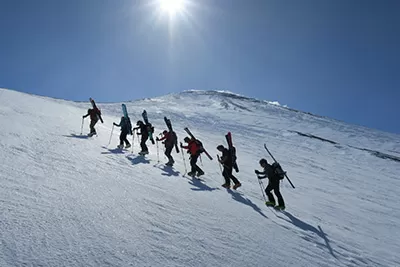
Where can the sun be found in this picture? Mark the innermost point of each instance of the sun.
(172, 7)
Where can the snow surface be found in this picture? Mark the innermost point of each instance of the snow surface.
(69, 200)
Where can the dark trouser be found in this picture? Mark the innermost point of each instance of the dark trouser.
(193, 161)
(91, 126)
(168, 150)
(143, 143)
(122, 138)
(227, 173)
(274, 185)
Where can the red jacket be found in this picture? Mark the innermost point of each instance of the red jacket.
(192, 147)
(95, 114)
(169, 139)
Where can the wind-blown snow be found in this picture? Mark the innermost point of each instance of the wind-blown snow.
(68, 200)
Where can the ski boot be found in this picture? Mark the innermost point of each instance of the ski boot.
(237, 185)
(120, 146)
(280, 207)
(270, 203)
(142, 153)
(200, 173)
(192, 174)
(170, 163)
(128, 145)
(227, 186)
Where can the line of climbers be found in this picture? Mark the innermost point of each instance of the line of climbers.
(194, 148)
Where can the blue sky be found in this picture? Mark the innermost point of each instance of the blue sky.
(337, 58)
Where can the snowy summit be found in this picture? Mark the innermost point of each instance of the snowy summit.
(72, 200)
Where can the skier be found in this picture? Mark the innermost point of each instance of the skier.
(227, 161)
(125, 125)
(94, 118)
(145, 135)
(170, 142)
(194, 148)
(274, 175)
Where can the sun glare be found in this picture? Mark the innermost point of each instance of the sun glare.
(172, 6)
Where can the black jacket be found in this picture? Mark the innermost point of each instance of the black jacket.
(226, 158)
(269, 172)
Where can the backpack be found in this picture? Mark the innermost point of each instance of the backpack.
(199, 145)
(233, 154)
(278, 170)
(174, 138)
(129, 125)
(150, 129)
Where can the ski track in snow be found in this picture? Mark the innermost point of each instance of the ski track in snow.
(69, 200)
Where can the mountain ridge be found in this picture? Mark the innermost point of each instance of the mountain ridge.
(66, 199)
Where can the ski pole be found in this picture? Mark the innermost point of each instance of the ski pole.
(82, 126)
(265, 146)
(158, 156)
(220, 167)
(219, 164)
(112, 129)
(133, 139)
(262, 188)
(184, 161)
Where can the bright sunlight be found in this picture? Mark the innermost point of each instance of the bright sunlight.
(172, 7)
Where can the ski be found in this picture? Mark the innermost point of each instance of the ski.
(168, 123)
(169, 126)
(150, 128)
(266, 148)
(232, 150)
(192, 136)
(145, 118)
(125, 112)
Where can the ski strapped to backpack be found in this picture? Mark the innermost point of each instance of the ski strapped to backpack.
(232, 151)
(98, 111)
(198, 142)
(150, 128)
(278, 166)
(125, 112)
(169, 126)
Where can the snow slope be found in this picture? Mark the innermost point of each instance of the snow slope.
(68, 200)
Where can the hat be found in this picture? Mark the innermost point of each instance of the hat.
(220, 147)
(263, 161)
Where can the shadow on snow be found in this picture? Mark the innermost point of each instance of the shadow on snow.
(167, 170)
(78, 136)
(239, 197)
(307, 227)
(138, 159)
(113, 151)
(199, 185)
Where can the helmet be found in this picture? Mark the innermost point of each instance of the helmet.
(186, 139)
(88, 111)
(220, 147)
(263, 161)
(165, 132)
(139, 123)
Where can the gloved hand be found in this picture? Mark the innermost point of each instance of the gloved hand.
(256, 172)
(114, 124)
